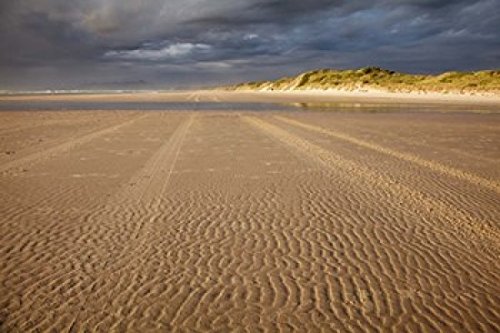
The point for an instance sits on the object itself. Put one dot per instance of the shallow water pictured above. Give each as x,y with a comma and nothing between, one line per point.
363,107
156,106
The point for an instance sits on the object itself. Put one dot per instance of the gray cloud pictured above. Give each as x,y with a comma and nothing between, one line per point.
157,43
166,52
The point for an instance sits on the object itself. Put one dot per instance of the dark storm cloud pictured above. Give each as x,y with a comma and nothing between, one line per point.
83,43
278,12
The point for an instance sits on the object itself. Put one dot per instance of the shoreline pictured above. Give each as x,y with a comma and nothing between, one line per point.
406,96
276,96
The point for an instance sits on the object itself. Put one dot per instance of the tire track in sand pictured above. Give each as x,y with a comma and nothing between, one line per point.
140,204
417,201
120,247
140,200
150,182
432,165
63,147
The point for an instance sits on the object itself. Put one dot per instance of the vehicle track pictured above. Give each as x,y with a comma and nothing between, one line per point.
435,166
62,146
151,181
453,215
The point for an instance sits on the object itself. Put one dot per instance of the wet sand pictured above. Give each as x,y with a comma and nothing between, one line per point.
249,221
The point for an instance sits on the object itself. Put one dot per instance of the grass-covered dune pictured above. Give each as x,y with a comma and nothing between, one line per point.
377,78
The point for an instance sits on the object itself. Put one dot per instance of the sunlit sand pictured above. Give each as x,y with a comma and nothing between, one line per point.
237,221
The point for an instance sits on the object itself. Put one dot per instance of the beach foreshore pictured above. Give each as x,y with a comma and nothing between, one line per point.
249,166
295,96
267,221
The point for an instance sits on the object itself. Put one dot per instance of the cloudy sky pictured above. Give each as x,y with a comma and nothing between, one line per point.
113,44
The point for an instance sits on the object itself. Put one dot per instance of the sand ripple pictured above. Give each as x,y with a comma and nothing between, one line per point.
217,222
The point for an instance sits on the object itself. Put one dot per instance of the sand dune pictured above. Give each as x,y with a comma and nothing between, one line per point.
248,222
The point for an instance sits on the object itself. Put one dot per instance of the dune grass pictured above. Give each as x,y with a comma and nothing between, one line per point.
487,81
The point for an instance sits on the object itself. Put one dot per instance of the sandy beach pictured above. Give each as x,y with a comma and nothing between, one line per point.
297,96
234,221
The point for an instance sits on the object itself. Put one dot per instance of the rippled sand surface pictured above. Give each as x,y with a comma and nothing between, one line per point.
249,222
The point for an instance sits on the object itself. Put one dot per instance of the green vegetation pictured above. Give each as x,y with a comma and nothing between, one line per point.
382,79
